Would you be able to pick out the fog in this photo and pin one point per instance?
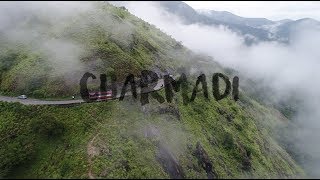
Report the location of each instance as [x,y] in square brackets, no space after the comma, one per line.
[26,23]
[286,68]
[41,27]
[52,29]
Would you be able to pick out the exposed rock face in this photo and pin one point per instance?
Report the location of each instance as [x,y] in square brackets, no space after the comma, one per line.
[204,161]
[229,116]
[246,161]
[169,163]
[246,164]
[171,110]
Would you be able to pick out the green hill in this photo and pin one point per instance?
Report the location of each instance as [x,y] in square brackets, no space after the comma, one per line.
[122,139]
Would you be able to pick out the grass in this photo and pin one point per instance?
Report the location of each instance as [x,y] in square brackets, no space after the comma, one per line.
[124,147]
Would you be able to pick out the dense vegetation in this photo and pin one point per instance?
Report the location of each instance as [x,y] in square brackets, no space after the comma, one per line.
[123,139]
[129,45]
[204,139]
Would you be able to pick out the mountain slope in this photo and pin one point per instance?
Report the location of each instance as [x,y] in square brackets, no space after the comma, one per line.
[87,43]
[122,139]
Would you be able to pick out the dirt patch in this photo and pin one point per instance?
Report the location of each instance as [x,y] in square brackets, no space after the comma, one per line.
[92,151]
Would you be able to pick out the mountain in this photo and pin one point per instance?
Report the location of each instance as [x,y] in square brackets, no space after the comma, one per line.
[287,30]
[228,17]
[191,16]
[261,29]
[45,56]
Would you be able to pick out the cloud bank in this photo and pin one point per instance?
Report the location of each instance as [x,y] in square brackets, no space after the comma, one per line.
[287,69]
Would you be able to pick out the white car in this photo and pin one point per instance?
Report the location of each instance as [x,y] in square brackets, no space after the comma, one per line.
[22,97]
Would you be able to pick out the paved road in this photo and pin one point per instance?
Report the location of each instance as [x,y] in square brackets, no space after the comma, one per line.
[28,101]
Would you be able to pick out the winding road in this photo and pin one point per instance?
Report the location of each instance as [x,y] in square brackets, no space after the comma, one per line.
[30,101]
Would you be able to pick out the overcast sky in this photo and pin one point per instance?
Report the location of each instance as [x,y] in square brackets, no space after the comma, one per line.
[273,10]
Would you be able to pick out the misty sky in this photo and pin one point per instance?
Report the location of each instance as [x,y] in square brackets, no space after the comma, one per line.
[273,10]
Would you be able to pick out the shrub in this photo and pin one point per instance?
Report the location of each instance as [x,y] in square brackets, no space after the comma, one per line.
[16,137]
[228,142]
[48,126]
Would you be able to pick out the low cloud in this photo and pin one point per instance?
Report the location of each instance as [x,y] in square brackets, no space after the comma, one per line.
[287,69]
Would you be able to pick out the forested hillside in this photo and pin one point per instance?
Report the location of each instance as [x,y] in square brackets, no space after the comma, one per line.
[122,139]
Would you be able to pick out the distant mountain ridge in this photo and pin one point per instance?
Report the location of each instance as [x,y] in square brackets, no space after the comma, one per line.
[254,29]
[226,16]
